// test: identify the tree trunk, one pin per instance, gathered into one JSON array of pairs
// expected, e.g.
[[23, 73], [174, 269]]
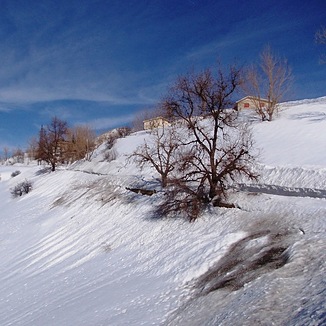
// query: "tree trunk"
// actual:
[[164, 181]]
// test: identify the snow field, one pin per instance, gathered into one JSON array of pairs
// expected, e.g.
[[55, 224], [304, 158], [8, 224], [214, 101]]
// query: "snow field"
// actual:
[[82, 250]]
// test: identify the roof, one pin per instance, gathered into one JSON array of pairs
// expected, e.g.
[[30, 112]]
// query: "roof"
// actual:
[[253, 98], [156, 118]]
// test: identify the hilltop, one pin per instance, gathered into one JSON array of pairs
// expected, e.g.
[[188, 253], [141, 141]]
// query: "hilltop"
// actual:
[[80, 249]]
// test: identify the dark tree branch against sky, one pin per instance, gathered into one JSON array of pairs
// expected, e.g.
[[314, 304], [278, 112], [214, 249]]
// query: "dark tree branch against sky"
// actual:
[[100, 62]]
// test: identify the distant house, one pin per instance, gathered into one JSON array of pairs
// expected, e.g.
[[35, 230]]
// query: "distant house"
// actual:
[[155, 123], [251, 102]]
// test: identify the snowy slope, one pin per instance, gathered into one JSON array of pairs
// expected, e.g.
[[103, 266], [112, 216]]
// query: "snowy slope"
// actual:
[[82, 250], [293, 147]]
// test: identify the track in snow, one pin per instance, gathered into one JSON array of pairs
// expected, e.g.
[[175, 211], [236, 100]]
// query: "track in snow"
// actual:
[[283, 191]]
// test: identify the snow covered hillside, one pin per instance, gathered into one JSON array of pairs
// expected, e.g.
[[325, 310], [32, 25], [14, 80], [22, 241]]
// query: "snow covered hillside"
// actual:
[[80, 249]]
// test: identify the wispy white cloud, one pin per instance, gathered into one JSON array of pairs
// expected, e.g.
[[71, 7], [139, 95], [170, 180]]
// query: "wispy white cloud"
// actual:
[[32, 94], [40, 86], [243, 39], [61, 112], [109, 123], [5, 109], [77, 65]]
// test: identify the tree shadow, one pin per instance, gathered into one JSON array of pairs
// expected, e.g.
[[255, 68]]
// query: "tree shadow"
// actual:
[[310, 116], [246, 260], [42, 171]]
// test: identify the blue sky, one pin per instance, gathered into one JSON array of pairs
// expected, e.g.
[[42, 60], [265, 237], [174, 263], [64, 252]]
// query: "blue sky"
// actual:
[[100, 62]]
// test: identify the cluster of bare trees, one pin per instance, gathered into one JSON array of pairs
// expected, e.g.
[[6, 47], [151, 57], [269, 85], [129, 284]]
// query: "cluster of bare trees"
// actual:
[[81, 141], [58, 144], [206, 148], [16, 155]]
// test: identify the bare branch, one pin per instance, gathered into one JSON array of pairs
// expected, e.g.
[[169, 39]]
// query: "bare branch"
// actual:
[[320, 38], [160, 152]]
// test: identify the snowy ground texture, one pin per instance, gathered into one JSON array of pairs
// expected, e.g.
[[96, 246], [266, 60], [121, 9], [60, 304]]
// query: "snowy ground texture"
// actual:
[[80, 249]]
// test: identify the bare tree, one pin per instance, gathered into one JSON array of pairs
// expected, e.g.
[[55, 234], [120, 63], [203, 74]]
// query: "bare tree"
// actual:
[[217, 148], [320, 35], [18, 155], [320, 38], [270, 81], [6, 153], [80, 143], [52, 142], [160, 152], [32, 148]]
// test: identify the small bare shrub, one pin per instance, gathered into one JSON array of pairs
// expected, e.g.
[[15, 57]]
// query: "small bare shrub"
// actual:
[[111, 155], [124, 132], [15, 173], [21, 188], [111, 140], [118, 133]]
